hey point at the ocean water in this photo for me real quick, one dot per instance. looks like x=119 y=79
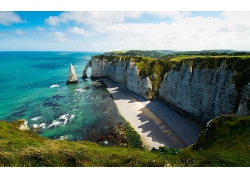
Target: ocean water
x=32 y=87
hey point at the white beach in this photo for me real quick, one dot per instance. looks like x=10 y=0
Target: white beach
x=156 y=123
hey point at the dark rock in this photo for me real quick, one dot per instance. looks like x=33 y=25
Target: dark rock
x=129 y=159
x=86 y=87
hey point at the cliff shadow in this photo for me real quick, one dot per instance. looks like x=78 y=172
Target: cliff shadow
x=157 y=130
x=153 y=119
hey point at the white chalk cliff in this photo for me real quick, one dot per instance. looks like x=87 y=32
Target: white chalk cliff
x=72 y=78
x=202 y=93
x=123 y=72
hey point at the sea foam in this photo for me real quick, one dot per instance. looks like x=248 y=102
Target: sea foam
x=42 y=125
x=36 y=118
x=54 y=123
x=54 y=85
x=66 y=117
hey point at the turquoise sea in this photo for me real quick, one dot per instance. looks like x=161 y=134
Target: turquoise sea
x=32 y=87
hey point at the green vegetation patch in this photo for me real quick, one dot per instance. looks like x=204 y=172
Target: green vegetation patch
x=155 y=70
x=149 y=53
x=198 y=61
x=133 y=138
x=28 y=149
x=226 y=131
x=165 y=150
x=225 y=143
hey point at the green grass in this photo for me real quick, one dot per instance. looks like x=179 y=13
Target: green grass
x=227 y=140
x=225 y=143
x=134 y=140
x=151 y=54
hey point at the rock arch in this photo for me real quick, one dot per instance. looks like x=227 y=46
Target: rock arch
x=100 y=68
x=84 y=72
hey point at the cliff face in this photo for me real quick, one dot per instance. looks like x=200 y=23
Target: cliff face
x=244 y=96
x=136 y=83
x=99 y=68
x=202 y=93
x=123 y=72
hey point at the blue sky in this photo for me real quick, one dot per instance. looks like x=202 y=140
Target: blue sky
x=124 y=30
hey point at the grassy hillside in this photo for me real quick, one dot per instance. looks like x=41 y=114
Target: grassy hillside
x=225 y=143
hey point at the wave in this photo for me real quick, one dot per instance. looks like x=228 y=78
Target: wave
x=36 y=118
x=66 y=117
x=42 y=125
x=54 y=123
x=54 y=85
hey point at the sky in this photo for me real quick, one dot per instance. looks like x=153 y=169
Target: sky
x=92 y=30
x=98 y=25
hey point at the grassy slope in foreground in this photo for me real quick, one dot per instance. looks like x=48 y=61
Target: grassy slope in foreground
x=226 y=143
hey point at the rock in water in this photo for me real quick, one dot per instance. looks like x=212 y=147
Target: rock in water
x=72 y=75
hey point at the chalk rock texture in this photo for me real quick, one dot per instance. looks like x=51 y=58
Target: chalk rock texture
x=24 y=125
x=99 y=68
x=203 y=93
x=123 y=72
x=84 y=73
x=244 y=96
x=72 y=78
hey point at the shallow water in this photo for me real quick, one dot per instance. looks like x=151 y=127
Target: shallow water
x=33 y=88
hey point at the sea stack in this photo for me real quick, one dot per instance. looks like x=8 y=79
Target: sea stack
x=72 y=75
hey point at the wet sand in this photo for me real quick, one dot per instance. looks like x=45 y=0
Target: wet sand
x=156 y=123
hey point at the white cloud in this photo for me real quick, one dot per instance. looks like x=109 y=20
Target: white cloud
x=40 y=28
x=185 y=33
x=92 y=17
x=107 y=17
x=118 y=30
x=20 y=32
x=82 y=32
x=53 y=29
x=173 y=14
x=7 y=18
x=59 y=37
